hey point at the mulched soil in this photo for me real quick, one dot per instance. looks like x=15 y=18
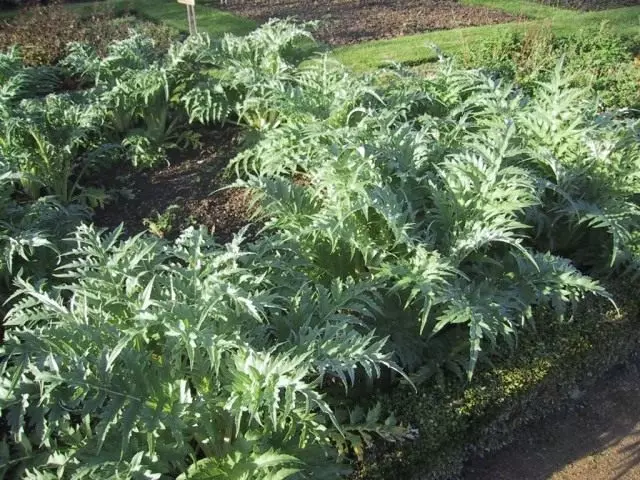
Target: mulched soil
x=192 y=181
x=590 y=4
x=597 y=439
x=347 y=21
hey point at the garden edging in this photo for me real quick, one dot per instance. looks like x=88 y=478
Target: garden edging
x=543 y=376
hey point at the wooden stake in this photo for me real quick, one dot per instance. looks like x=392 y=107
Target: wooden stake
x=191 y=15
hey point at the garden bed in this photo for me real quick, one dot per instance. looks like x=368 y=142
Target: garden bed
x=97 y=27
x=347 y=21
x=187 y=191
x=407 y=233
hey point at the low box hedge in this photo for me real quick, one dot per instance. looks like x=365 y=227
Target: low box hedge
x=457 y=421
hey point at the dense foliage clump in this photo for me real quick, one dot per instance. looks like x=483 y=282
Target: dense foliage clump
x=598 y=59
x=411 y=227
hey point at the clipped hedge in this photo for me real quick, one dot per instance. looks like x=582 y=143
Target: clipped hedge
x=456 y=422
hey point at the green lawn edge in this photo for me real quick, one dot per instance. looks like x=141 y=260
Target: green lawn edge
x=417 y=49
x=210 y=20
x=213 y=21
x=456 y=422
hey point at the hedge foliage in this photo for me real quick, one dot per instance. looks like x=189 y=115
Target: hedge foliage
x=457 y=422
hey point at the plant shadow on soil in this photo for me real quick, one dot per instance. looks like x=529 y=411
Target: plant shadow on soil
x=191 y=186
x=596 y=438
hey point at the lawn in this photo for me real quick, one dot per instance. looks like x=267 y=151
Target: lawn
x=416 y=49
x=210 y=20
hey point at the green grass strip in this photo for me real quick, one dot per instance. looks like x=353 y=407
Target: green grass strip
x=210 y=20
x=416 y=49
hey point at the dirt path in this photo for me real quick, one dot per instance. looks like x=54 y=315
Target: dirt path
x=597 y=439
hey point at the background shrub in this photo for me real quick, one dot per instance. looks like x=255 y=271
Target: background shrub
x=459 y=421
x=598 y=59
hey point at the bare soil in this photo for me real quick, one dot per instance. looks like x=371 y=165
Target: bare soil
x=598 y=438
x=194 y=182
x=590 y=4
x=347 y=21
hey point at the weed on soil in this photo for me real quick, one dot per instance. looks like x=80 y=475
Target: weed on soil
x=597 y=439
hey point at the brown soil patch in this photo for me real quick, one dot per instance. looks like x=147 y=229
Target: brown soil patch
x=191 y=182
x=590 y=4
x=348 y=21
x=597 y=439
